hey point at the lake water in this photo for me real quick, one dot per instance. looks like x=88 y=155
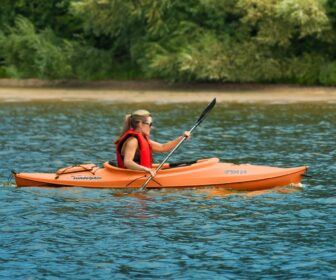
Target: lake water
x=76 y=233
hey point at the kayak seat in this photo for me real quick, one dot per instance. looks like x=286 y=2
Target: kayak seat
x=113 y=163
x=182 y=163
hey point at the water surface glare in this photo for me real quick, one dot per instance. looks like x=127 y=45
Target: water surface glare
x=76 y=233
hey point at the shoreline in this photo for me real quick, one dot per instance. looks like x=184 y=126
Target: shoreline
x=160 y=92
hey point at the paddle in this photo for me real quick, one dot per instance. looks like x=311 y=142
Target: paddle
x=200 y=119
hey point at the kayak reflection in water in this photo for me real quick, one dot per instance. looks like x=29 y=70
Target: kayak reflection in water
x=134 y=147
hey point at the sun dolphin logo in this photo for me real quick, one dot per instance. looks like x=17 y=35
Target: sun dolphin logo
x=235 y=171
x=89 y=178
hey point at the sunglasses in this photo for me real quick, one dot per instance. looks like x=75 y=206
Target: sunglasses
x=149 y=124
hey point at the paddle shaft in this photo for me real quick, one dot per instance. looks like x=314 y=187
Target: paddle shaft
x=200 y=119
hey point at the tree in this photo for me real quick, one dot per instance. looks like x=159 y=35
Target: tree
x=191 y=40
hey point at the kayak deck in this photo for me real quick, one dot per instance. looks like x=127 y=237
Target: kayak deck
x=203 y=173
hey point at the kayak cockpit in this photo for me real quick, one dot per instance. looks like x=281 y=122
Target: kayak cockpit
x=167 y=167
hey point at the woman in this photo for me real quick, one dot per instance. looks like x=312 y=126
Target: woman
x=134 y=147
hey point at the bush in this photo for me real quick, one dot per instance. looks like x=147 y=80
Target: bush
x=328 y=74
x=89 y=63
x=30 y=54
x=305 y=69
x=27 y=53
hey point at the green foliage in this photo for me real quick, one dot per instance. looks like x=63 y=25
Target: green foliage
x=203 y=40
x=276 y=22
x=305 y=69
x=30 y=54
x=52 y=13
x=328 y=74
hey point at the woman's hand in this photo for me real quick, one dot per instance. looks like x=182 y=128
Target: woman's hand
x=151 y=171
x=186 y=134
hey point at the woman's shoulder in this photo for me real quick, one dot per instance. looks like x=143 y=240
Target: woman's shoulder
x=131 y=141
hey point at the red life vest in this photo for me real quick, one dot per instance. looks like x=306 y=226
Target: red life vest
x=144 y=147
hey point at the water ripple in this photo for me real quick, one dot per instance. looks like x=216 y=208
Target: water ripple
x=74 y=233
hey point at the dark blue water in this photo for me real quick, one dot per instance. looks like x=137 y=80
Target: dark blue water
x=75 y=233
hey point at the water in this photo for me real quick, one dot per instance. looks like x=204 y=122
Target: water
x=75 y=233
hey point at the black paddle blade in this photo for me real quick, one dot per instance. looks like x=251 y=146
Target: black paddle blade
x=206 y=111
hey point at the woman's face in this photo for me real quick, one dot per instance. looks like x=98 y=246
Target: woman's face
x=146 y=126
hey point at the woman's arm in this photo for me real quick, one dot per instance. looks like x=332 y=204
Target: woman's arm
x=131 y=146
x=166 y=147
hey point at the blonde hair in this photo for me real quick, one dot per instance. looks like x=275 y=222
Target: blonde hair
x=131 y=121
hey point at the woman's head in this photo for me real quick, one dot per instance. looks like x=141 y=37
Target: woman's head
x=139 y=117
x=139 y=120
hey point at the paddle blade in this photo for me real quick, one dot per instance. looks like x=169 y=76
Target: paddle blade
x=206 y=111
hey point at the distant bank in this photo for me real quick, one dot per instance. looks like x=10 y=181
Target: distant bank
x=159 y=91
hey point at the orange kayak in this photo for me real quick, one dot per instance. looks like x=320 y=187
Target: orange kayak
x=202 y=173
